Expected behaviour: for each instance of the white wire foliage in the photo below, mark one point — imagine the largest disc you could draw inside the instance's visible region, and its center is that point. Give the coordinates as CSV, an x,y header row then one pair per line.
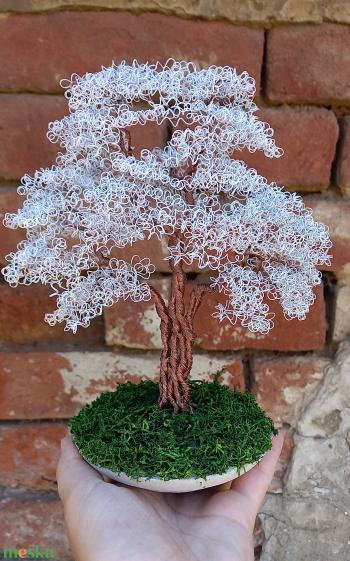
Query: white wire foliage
x,y
262,241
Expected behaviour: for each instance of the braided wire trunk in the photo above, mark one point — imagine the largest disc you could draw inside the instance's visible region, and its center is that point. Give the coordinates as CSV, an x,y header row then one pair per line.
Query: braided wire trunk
x,y
178,336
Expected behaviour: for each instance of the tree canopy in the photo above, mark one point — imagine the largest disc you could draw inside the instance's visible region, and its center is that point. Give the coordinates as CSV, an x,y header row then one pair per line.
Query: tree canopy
x,y
216,212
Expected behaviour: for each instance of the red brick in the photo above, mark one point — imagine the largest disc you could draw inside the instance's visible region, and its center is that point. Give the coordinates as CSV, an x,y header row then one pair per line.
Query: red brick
x,y
154,249
284,385
24,122
308,137
293,335
343,164
335,213
29,454
22,312
43,385
136,325
149,136
28,522
308,63
61,44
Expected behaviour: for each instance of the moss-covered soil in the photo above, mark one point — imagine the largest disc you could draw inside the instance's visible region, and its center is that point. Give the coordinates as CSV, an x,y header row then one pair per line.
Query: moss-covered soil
x,y
126,431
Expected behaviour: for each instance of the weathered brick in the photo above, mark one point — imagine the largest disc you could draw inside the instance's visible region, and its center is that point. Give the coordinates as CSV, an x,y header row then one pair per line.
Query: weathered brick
x,y
137,325
42,385
60,44
266,11
22,312
285,385
341,327
308,63
24,122
343,164
308,137
28,455
335,213
27,522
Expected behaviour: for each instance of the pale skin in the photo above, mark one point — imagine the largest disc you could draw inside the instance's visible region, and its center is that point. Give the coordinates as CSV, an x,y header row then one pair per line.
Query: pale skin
x,y
112,522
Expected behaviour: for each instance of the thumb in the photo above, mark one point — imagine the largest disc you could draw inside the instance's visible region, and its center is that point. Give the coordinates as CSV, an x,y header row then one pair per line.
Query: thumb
x,y
72,470
255,483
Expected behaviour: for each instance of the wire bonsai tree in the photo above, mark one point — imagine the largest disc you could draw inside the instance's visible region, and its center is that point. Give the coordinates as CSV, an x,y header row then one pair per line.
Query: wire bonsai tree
x,y
214,211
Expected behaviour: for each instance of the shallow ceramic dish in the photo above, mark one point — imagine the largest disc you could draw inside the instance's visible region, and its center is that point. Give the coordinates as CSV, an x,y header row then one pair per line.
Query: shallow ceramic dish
x,y
173,485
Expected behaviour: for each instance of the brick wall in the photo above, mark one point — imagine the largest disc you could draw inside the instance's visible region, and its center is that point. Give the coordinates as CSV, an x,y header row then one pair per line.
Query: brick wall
x,y
299,54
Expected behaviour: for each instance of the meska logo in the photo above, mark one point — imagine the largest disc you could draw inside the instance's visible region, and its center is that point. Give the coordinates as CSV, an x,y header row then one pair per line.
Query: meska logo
x,y
34,552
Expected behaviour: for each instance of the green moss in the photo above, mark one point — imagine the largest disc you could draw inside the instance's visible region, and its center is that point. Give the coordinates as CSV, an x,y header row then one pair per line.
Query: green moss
x,y
126,431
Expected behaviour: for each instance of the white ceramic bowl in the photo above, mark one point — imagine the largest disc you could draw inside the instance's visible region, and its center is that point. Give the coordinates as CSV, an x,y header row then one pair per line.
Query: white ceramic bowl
x,y
173,485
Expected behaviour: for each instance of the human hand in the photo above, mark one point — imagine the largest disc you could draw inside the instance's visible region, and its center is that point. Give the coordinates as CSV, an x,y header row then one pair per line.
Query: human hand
x,y
107,521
